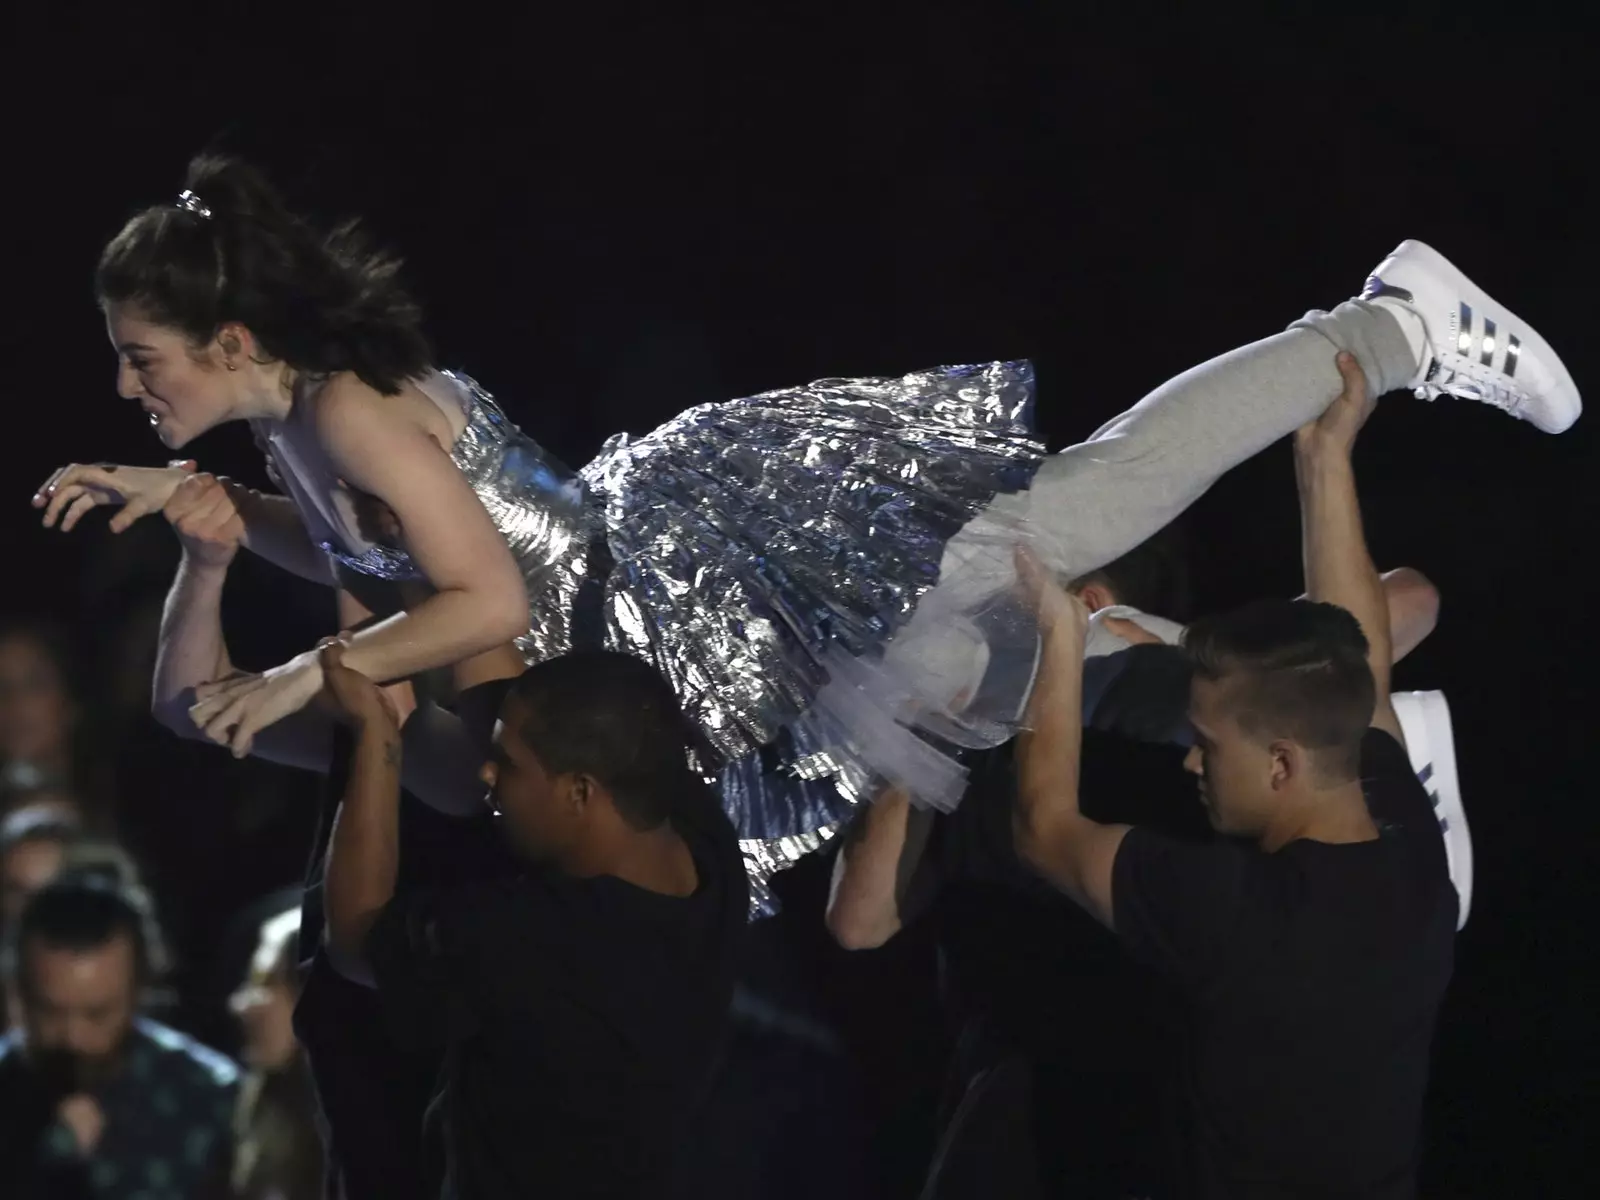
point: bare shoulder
(343, 405)
(349, 412)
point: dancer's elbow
(506, 625)
(503, 613)
(1414, 604)
(854, 929)
(172, 714)
(348, 961)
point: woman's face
(36, 713)
(265, 1008)
(183, 391)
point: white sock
(1413, 326)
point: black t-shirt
(580, 1017)
(373, 1091)
(1312, 978)
(1034, 964)
(1031, 973)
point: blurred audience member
(37, 711)
(33, 845)
(23, 785)
(40, 717)
(96, 1100)
(277, 1150)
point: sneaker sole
(1562, 397)
(1430, 743)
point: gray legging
(1097, 500)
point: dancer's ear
(1095, 596)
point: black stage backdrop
(611, 218)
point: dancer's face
(543, 814)
(184, 389)
(1239, 777)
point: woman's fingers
(80, 505)
(56, 501)
(212, 698)
(128, 514)
(220, 726)
(42, 496)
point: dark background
(613, 217)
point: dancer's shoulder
(350, 414)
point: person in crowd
(1312, 943)
(277, 1150)
(582, 1001)
(23, 785)
(41, 720)
(95, 1099)
(34, 843)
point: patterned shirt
(168, 1117)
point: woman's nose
(128, 382)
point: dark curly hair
(322, 302)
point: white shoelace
(1446, 380)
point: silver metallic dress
(757, 551)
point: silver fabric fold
(751, 543)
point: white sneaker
(1479, 349)
(1430, 742)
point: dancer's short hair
(1296, 669)
(323, 302)
(615, 718)
(1152, 577)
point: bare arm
(1072, 852)
(1413, 603)
(879, 855)
(190, 648)
(1338, 566)
(274, 530)
(442, 768)
(364, 848)
(479, 600)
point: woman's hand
(77, 488)
(352, 697)
(232, 711)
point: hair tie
(189, 202)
